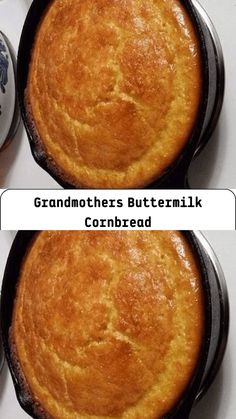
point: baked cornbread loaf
(113, 89)
(107, 324)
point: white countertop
(215, 167)
(220, 400)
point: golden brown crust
(108, 324)
(114, 88)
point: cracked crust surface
(114, 88)
(107, 324)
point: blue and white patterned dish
(7, 90)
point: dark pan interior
(174, 176)
(16, 255)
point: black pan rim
(9, 285)
(224, 315)
(176, 172)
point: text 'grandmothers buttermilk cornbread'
(113, 90)
(107, 324)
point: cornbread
(107, 324)
(113, 90)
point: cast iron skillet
(17, 252)
(175, 174)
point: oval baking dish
(216, 311)
(175, 175)
(9, 109)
